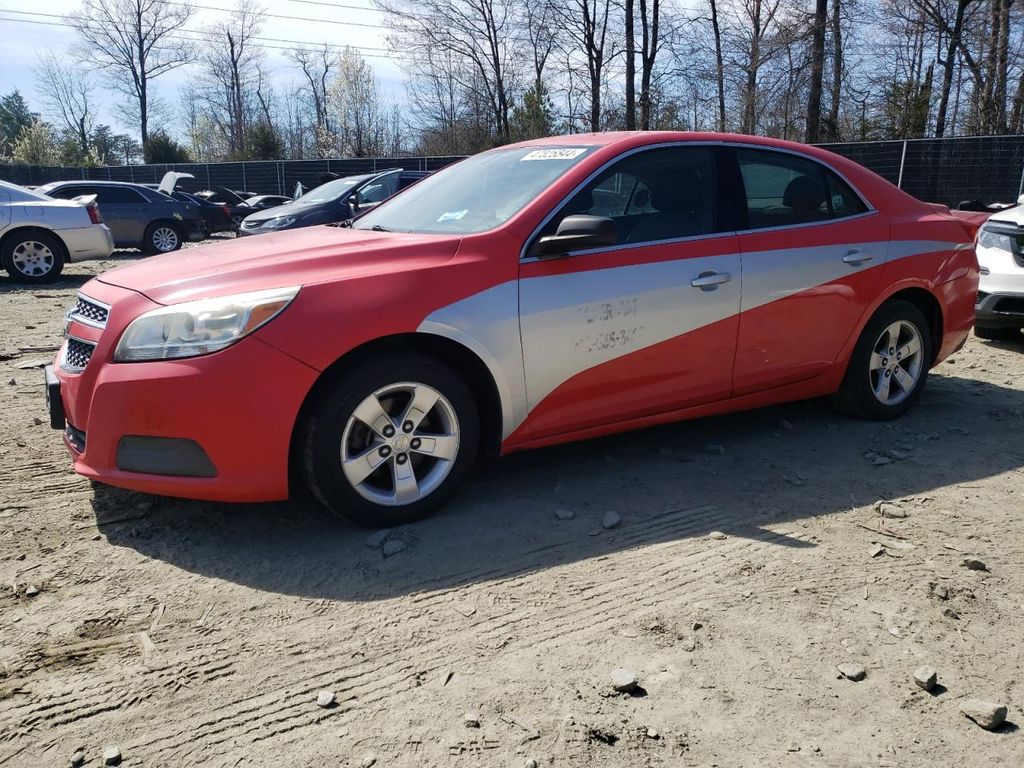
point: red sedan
(538, 293)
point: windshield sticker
(553, 154)
(453, 215)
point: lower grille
(1010, 304)
(77, 354)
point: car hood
(294, 257)
(1013, 215)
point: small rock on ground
(31, 590)
(925, 677)
(611, 520)
(564, 514)
(112, 755)
(876, 550)
(393, 547)
(325, 699)
(974, 564)
(624, 680)
(531, 763)
(78, 759)
(717, 535)
(987, 714)
(471, 719)
(375, 539)
(368, 761)
(852, 671)
(713, 449)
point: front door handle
(709, 281)
(856, 256)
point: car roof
(104, 183)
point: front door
(642, 327)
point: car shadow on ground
(780, 466)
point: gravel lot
(189, 633)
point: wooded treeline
(480, 73)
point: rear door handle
(856, 256)
(708, 281)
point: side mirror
(575, 233)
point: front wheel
(389, 442)
(889, 365)
(36, 257)
(161, 237)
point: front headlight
(280, 222)
(997, 240)
(199, 327)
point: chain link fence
(987, 169)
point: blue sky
(21, 42)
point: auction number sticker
(553, 154)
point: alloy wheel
(32, 258)
(400, 443)
(896, 363)
(165, 239)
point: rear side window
(116, 195)
(66, 193)
(782, 190)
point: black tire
(33, 257)
(856, 396)
(996, 334)
(322, 437)
(153, 241)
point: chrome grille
(90, 312)
(77, 354)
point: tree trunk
(719, 65)
(630, 69)
(837, 71)
(948, 66)
(817, 71)
(651, 43)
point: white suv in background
(39, 234)
(1000, 306)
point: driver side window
(659, 194)
(379, 190)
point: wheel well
(27, 229)
(157, 222)
(929, 306)
(459, 358)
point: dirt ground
(192, 633)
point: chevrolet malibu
(535, 294)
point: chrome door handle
(856, 256)
(709, 280)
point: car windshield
(475, 195)
(332, 190)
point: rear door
(642, 327)
(125, 211)
(811, 249)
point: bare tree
(585, 26)
(719, 66)
(68, 93)
(233, 77)
(316, 65)
(817, 70)
(134, 40)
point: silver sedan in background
(39, 234)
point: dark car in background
(240, 204)
(138, 217)
(333, 202)
(216, 216)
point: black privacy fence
(986, 169)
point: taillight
(94, 213)
(227, 211)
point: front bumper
(999, 310)
(236, 407)
(92, 242)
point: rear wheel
(33, 257)
(996, 334)
(161, 237)
(889, 365)
(390, 442)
